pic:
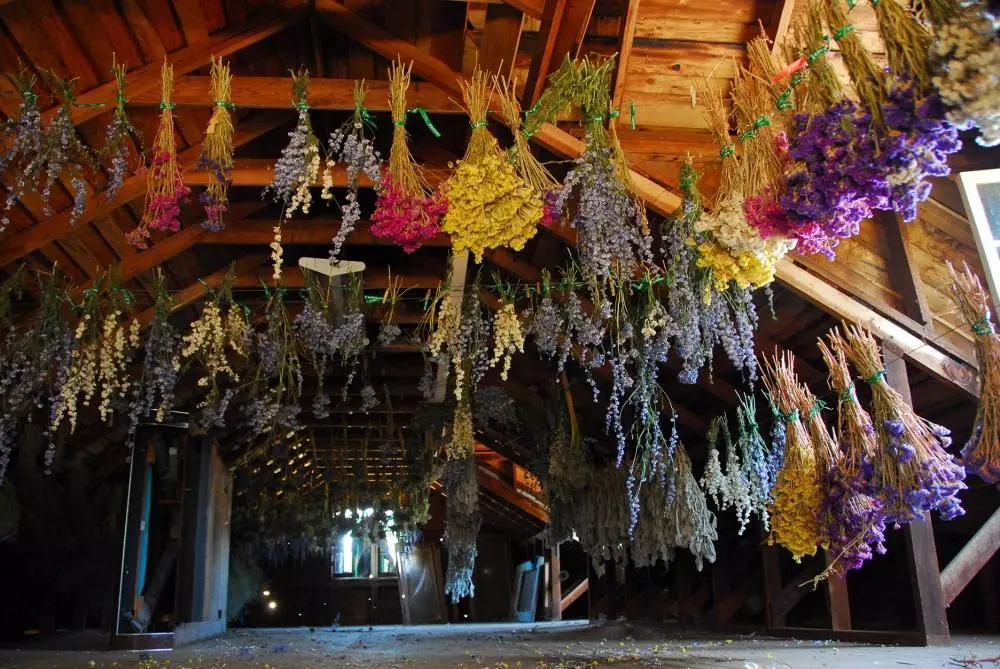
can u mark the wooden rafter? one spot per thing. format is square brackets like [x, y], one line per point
[903, 268]
[312, 231]
[564, 24]
[147, 78]
[59, 226]
[626, 35]
[975, 554]
[501, 36]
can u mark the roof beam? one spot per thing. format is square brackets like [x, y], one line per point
[490, 481]
[147, 78]
[59, 226]
[564, 25]
[318, 230]
[903, 268]
[626, 35]
[501, 36]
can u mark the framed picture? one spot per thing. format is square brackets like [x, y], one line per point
[981, 196]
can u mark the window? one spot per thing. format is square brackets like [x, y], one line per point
[355, 555]
[981, 196]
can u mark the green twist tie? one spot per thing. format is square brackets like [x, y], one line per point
[819, 53]
[816, 408]
[874, 3]
[876, 377]
[246, 312]
[797, 79]
[785, 100]
[302, 105]
[983, 326]
[121, 100]
[727, 151]
[762, 122]
[847, 394]
[598, 118]
[167, 105]
[789, 417]
[127, 296]
[839, 35]
[399, 124]
[89, 292]
[851, 4]
[631, 113]
[225, 104]
[29, 95]
[478, 124]
[427, 121]
[372, 299]
[749, 134]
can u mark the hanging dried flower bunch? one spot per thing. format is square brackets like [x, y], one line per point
[22, 141]
[964, 54]
[758, 467]
[119, 135]
[217, 149]
[694, 526]
[462, 523]
[981, 453]
[489, 205]
[297, 170]
[351, 147]
[316, 334]
[912, 471]
[388, 330]
[155, 390]
[608, 223]
[165, 189]
[407, 211]
[508, 338]
[463, 441]
[797, 496]
[729, 490]
[104, 345]
[210, 341]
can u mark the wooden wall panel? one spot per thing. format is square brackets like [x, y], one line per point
[728, 22]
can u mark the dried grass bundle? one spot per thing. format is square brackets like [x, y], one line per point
[761, 170]
[795, 511]
[981, 453]
[869, 82]
[528, 167]
[912, 472]
[717, 117]
[822, 88]
[217, 149]
[907, 42]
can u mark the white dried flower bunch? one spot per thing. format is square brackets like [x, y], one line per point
[118, 343]
[447, 336]
[508, 338]
[208, 340]
[966, 52]
[277, 254]
[463, 440]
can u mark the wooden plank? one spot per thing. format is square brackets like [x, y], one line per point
[838, 599]
[533, 8]
[921, 554]
[58, 226]
[975, 554]
[626, 35]
[149, 40]
[501, 35]
[731, 22]
[489, 481]
[925, 354]
[43, 36]
[555, 568]
[318, 230]
[224, 43]
[192, 19]
[779, 23]
[574, 594]
[903, 267]
[543, 56]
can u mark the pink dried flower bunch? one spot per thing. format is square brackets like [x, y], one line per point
[407, 218]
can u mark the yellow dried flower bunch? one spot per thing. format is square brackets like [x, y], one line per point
[795, 511]
[489, 205]
[118, 343]
[463, 441]
[508, 337]
[209, 340]
[81, 378]
[746, 270]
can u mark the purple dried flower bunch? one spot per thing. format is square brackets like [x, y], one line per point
[275, 386]
[297, 170]
[118, 137]
[22, 137]
[350, 146]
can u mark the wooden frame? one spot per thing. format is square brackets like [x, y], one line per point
[970, 184]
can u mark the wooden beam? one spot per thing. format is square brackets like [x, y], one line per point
[552, 18]
[923, 353]
[903, 273]
[774, 616]
[533, 8]
[921, 553]
[838, 599]
[574, 594]
[147, 78]
[975, 554]
[501, 36]
[59, 226]
[489, 481]
[626, 35]
[779, 23]
[331, 94]
[555, 568]
[375, 278]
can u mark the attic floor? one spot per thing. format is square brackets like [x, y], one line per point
[568, 645]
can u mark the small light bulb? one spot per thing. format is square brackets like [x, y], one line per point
[272, 605]
[266, 593]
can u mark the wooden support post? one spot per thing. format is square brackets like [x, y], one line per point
[973, 557]
[773, 615]
[554, 584]
[921, 553]
[838, 600]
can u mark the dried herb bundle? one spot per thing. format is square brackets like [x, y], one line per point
[217, 149]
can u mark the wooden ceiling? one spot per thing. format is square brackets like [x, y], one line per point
[891, 276]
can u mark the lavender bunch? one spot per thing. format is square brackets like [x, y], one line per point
[855, 523]
[654, 451]
[916, 146]
[22, 137]
[694, 526]
[298, 167]
[463, 520]
[494, 405]
[162, 362]
[758, 466]
[388, 333]
[63, 151]
[118, 136]
[350, 146]
[545, 325]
